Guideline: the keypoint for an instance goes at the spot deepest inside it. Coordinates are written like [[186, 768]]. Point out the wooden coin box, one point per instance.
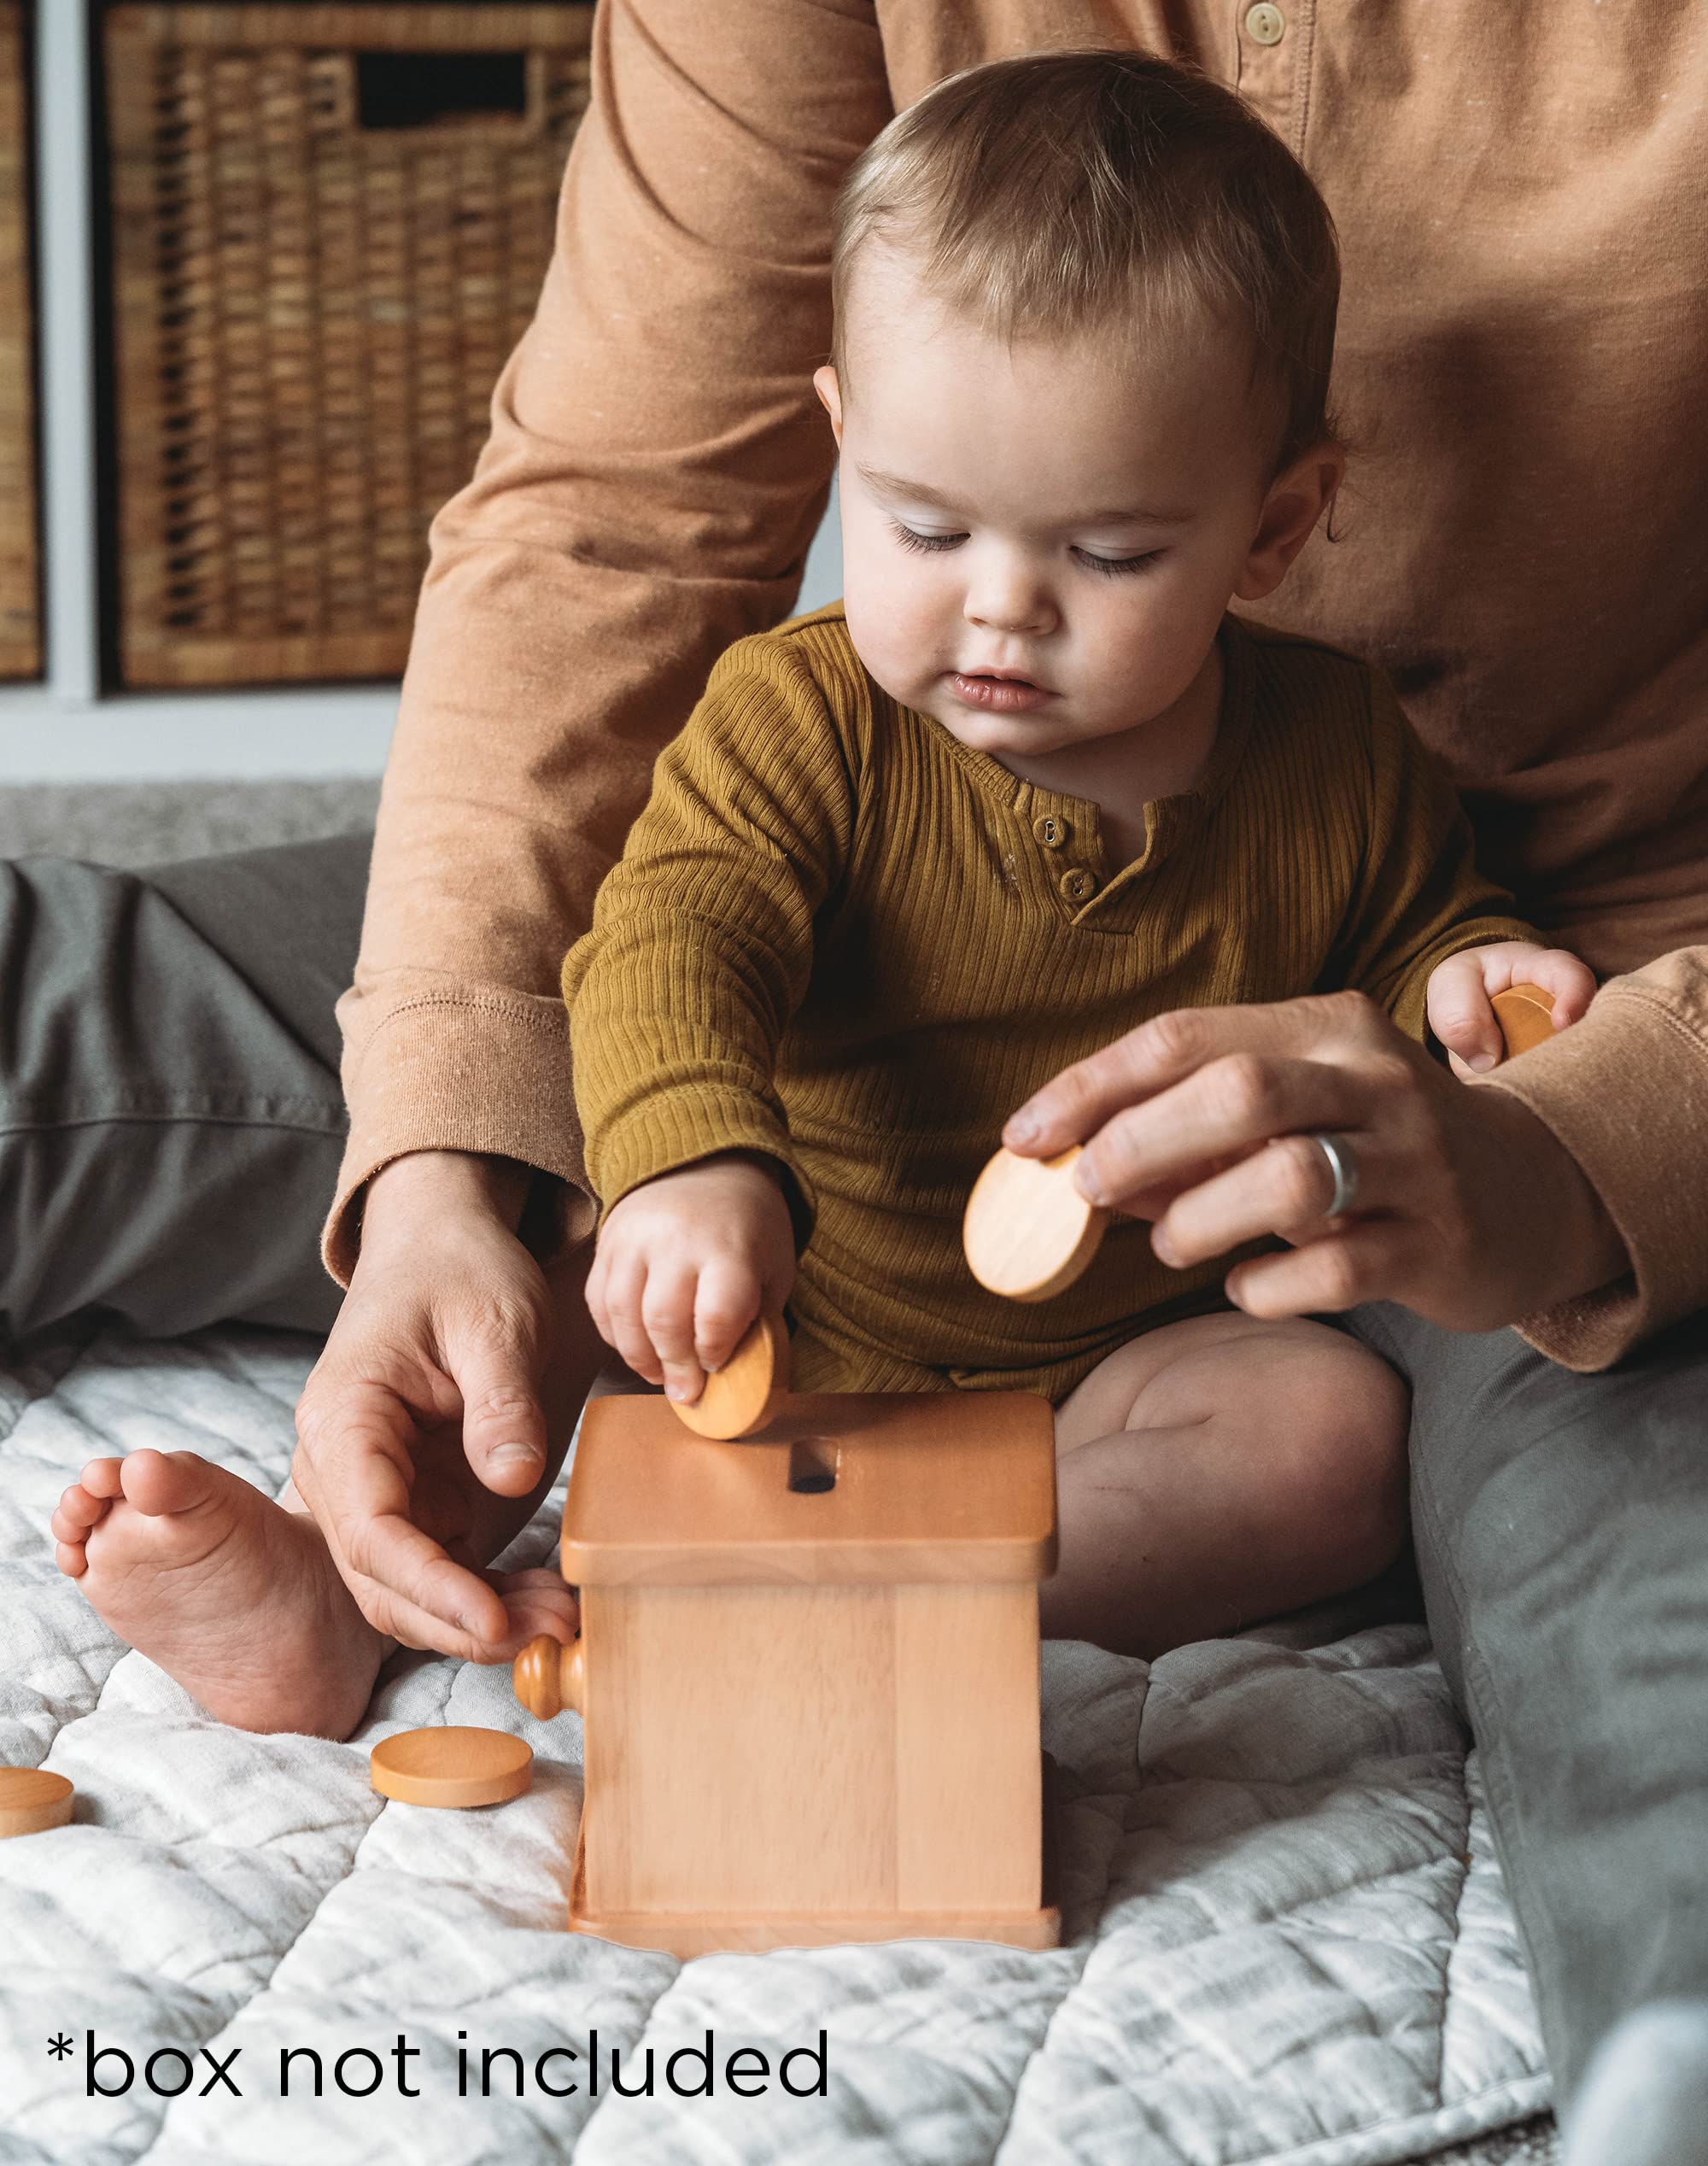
[[808, 1669]]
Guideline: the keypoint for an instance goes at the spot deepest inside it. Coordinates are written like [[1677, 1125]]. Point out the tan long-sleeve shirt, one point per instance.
[[1523, 546]]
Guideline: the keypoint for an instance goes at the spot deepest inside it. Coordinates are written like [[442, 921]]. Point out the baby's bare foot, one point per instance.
[[239, 1599], [236, 1599]]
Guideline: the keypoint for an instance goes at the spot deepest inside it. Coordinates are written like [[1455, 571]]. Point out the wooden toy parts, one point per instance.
[[808, 1669], [453, 1766], [32, 1799], [1027, 1231], [1525, 1015], [739, 1397]]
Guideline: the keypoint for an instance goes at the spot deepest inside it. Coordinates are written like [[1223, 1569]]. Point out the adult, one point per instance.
[[1523, 334]]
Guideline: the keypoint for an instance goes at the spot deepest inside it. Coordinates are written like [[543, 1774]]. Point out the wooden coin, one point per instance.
[[1028, 1231], [455, 1766], [737, 1399], [32, 1799], [1525, 1015]]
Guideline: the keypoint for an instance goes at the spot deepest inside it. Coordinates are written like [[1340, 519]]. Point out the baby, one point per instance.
[[1027, 784]]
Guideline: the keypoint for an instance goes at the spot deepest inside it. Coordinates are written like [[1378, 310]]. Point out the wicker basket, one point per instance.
[[330, 225], [21, 648]]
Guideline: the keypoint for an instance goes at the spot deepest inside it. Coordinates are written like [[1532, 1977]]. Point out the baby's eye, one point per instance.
[[1107, 567], [1113, 567], [909, 540]]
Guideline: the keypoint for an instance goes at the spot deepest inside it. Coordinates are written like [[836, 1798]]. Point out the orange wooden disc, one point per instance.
[[454, 1767], [32, 1799], [737, 1399], [1027, 1231], [1525, 1015]]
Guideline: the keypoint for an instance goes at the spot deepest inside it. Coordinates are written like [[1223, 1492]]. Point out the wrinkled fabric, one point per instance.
[[1285, 1937]]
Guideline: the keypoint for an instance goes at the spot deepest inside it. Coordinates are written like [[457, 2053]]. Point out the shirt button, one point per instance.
[[1266, 23], [1078, 886], [1053, 832]]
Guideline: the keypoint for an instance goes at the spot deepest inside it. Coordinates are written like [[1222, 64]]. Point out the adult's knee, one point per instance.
[[167, 1139]]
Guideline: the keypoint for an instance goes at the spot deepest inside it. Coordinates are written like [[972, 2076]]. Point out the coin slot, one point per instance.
[[812, 1465]]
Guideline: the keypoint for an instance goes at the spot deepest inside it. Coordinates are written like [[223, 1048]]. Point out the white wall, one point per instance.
[[823, 579]]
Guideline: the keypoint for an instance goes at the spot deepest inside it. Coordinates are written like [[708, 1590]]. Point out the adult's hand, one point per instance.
[[422, 1434], [1468, 1211]]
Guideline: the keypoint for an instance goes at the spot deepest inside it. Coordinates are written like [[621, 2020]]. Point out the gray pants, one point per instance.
[[171, 1121], [1561, 1529], [172, 1134]]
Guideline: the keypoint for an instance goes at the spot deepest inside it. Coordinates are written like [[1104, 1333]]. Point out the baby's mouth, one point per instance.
[[995, 695]]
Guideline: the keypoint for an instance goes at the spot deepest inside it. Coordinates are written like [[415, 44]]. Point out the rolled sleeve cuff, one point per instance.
[[482, 1072], [1624, 1091]]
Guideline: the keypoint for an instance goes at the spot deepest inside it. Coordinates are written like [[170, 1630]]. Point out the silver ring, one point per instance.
[[1337, 1149]]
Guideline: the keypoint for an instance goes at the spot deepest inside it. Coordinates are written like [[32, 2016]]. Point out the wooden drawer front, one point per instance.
[[830, 1749]]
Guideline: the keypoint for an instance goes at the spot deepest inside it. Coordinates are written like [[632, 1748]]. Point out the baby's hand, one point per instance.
[[685, 1262], [1461, 987]]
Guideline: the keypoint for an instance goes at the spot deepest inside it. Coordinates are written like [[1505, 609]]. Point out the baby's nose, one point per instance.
[[1013, 605]]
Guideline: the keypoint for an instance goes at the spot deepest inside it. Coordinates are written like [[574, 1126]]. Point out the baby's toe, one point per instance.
[[76, 1511], [158, 1482], [538, 1601], [103, 1478]]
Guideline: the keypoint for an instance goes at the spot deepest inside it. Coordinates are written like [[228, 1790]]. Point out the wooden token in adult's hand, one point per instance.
[[1525, 1015], [455, 1766], [32, 1799], [1028, 1231], [737, 1399]]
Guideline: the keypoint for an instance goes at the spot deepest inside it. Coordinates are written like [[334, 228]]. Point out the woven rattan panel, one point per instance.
[[20, 651], [327, 237]]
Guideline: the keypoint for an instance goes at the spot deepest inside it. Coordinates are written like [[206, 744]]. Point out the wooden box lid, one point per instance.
[[927, 1487]]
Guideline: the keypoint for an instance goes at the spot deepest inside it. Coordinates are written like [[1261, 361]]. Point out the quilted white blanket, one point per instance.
[[1288, 1938]]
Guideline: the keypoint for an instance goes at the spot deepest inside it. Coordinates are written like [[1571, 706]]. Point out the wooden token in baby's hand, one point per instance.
[[454, 1766], [1028, 1231], [1525, 1015], [737, 1398], [32, 1799]]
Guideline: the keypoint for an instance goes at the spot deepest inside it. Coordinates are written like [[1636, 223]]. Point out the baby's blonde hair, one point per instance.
[[1104, 193]]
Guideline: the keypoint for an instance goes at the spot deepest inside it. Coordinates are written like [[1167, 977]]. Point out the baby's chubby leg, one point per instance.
[[1222, 1470]]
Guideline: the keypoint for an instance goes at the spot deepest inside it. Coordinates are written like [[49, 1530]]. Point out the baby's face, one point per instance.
[[1042, 515]]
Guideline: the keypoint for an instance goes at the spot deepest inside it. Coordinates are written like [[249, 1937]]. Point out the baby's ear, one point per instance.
[[1297, 498], [829, 396]]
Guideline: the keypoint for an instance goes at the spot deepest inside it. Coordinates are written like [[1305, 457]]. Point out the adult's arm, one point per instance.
[[1468, 1211], [1566, 1195], [657, 468], [1624, 1093]]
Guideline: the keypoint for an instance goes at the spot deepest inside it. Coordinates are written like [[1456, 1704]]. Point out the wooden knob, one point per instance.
[[738, 1400], [1028, 1231], [1525, 1015], [549, 1677]]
